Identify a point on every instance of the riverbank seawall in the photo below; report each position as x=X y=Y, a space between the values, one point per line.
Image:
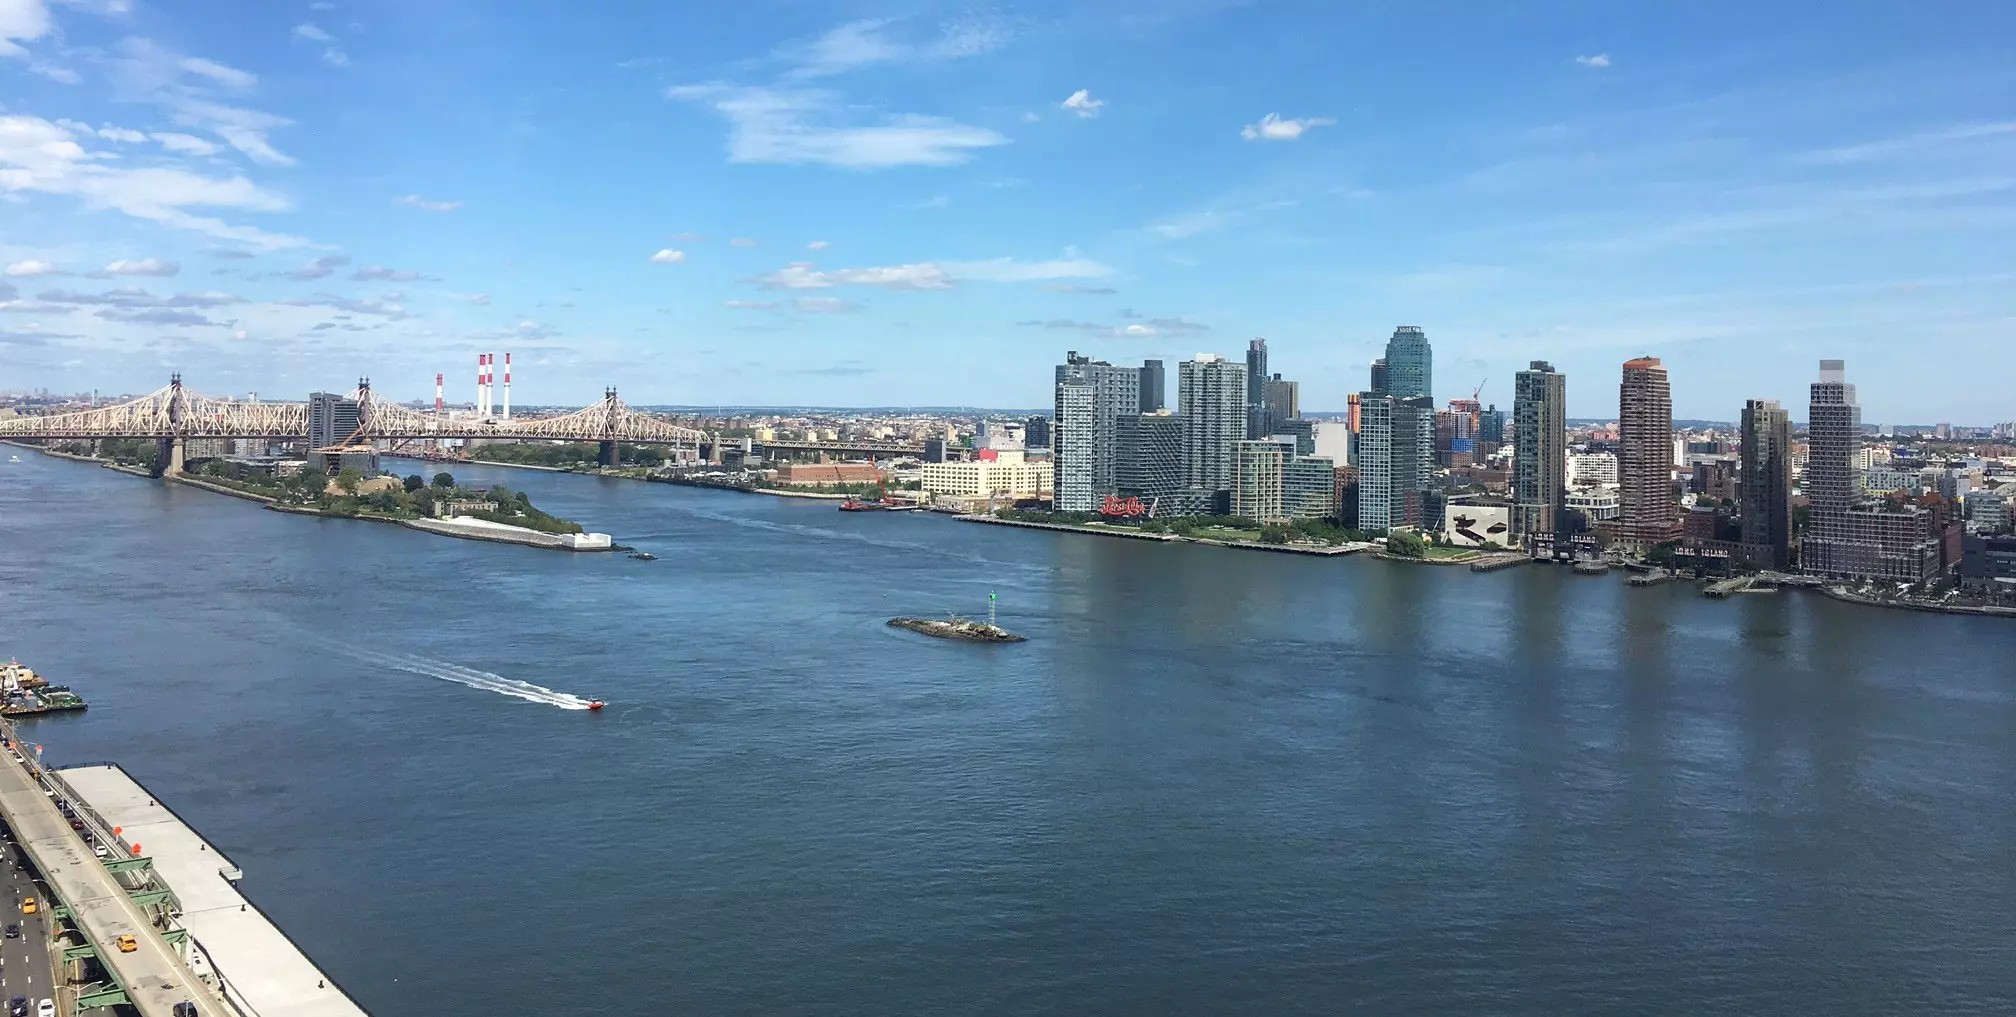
x=483 y=529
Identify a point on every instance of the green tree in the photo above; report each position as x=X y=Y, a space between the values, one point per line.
x=444 y=480
x=348 y=478
x=414 y=483
x=1406 y=544
x=1273 y=533
x=424 y=502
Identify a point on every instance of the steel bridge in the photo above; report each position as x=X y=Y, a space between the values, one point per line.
x=172 y=415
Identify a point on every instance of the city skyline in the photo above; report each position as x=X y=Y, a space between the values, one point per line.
x=826 y=204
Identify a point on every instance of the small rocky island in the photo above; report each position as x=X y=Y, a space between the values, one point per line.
x=958 y=628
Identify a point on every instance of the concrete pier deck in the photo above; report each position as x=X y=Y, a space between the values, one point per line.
x=261 y=970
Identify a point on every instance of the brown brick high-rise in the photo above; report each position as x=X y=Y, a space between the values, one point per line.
x=1647 y=513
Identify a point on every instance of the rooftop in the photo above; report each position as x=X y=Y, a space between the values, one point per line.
x=261 y=968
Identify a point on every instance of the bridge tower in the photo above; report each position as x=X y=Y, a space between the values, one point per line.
x=607 y=453
x=170 y=450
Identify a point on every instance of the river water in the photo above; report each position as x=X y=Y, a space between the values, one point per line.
x=1213 y=781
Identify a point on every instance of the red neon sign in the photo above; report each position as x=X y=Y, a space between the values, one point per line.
x=1128 y=509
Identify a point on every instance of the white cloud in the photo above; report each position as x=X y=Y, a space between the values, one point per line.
x=1030 y=118
x=21 y=20
x=794 y=125
x=39 y=156
x=143 y=266
x=1599 y=60
x=389 y=309
x=1191 y=224
x=668 y=256
x=187 y=144
x=750 y=305
x=742 y=242
x=690 y=238
x=335 y=57
x=54 y=72
x=1873 y=150
x=1273 y=127
x=321 y=5
x=1010 y=270
x=311 y=32
x=1082 y=103
x=319 y=268
x=816 y=245
x=132 y=297
x=935 y=201
x=865 y=43
x=242 y=129
x=111 y=133
x=1158 y=326
x=844 y=48
x=30 y=268
x=229 y=77
x=824 y=305
x=480 y=299
x=803 y=275
x=417 y=201
x=189 y=87
x=379 y=273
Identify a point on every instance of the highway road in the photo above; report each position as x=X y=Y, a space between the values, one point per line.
x=25 y=967
x=154 y=977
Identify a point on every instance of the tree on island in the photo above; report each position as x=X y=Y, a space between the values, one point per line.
x=414 y=482
x=1406 y=544
x=348 y=478
x=444 y=480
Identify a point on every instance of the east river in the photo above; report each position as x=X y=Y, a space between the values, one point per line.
x=1212 y=782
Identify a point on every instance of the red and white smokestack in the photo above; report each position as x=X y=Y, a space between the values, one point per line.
x=479 y=384
x=438 y=392
x=487 y=394
x=507 y=386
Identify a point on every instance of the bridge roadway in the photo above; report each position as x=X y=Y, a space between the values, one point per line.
x=153 y=975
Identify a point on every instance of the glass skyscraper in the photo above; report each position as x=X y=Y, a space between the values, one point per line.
x=1256 y=389
x=1540 y=450
x=1766 y=484
x=1091 y=397
x=1212 y=391
x=1410 y=364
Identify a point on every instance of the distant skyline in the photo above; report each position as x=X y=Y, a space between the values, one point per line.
x=840 y=203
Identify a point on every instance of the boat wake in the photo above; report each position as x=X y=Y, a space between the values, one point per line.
x=476 y=679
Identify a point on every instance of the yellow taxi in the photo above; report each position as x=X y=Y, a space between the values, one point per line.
x=127 y=944
x=27 y=905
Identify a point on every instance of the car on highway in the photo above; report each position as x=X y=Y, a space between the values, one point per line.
x=99 y=850
x=46 y=1008
x=27 y=905
x=17 y=1007
x=14 y=930
x=127 y=944
x=185 y=1009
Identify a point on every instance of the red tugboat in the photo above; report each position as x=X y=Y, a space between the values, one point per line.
x=595 y=704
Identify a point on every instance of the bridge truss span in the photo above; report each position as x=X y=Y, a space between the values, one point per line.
x=173 y=414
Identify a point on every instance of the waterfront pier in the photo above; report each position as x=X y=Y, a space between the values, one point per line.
x=146 y=913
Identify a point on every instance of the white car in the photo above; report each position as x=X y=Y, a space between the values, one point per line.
x=99 y=850
x=46 y=1008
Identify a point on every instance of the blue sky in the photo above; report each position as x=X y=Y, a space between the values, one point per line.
x=793 y=201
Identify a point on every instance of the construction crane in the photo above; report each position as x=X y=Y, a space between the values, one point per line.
x=1479 y=390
